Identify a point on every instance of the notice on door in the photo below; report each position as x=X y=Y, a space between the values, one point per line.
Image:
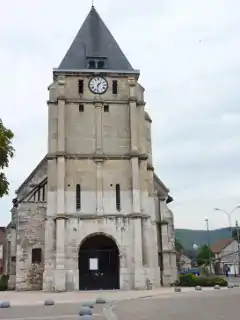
x=93 y=264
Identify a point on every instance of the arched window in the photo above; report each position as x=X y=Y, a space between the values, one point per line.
x=118 y=197
x=78 y=197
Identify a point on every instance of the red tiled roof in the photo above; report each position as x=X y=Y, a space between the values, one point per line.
x=218 y=246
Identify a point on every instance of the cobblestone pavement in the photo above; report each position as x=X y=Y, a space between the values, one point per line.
x=203 y=305
x=59 y=312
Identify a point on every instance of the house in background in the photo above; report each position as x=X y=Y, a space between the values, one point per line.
x=226 y=255
x=184 y=262
x=2 y=236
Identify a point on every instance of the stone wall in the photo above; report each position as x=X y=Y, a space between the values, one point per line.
x=128 y=234
x=30 y=235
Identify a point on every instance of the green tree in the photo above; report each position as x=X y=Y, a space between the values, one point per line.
x=204 y=255
x=6 y=152
x=178 y=245
x=179 y=249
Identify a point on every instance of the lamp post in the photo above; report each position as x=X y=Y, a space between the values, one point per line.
x=238 y=243
x=209 y=253
x=228 y=214
x=195 y=247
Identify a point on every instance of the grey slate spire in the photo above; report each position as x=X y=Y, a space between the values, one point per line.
x=94 y=41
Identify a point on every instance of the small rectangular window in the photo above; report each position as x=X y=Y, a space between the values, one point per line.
x=106 y=108
x=118 y=197
x=91 y=64
x=81 y=108
x=114 y=87
x=78 y=197
x=37 y=255
x=100 y=64
x=80 y=86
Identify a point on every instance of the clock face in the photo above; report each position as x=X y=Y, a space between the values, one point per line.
x=98 y=85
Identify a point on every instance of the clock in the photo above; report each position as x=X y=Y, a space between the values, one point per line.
x=98 y=85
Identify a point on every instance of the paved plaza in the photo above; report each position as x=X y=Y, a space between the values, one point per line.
x=202 y=305
x=163 y=304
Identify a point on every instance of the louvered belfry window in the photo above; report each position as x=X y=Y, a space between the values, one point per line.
x=118 y=197
x=80 y=86
x=114 y=87
x=78 y=197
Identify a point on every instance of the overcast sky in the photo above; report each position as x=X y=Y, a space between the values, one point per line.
x=188 y=52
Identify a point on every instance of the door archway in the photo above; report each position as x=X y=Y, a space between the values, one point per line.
x=98 y=263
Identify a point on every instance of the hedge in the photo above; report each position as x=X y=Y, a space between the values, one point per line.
x=4 y=282
x=190 y=280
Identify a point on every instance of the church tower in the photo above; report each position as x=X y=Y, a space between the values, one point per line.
x=100 y=230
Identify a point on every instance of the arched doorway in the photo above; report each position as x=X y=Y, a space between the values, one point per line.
x=98 y=263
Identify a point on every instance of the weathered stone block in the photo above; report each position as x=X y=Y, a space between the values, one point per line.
x=5 y=304
x=49 y=302
x=100 y=300
x=85 y=311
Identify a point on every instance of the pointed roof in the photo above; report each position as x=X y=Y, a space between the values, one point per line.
x=94 y=40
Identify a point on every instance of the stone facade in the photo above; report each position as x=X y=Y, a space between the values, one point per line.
x=96 y=142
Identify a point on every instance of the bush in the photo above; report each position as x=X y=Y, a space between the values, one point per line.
x=190 y=280
x=4 y=283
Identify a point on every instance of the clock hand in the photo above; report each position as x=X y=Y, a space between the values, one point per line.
x=98 y=86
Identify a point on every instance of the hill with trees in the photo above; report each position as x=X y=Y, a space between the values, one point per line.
x=189 y=237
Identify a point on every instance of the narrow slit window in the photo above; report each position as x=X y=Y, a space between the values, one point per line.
x=118 y=197
x=78 y=197
x=106 y=108
x=81 y=108
x=114 y=87
x=43 y=193
x=36 y=255
x=80 y=86
x=39 y=195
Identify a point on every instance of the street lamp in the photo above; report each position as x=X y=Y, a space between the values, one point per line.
x=209 y=252
x=228 y=214
x=195 y=246
x=238 y=242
